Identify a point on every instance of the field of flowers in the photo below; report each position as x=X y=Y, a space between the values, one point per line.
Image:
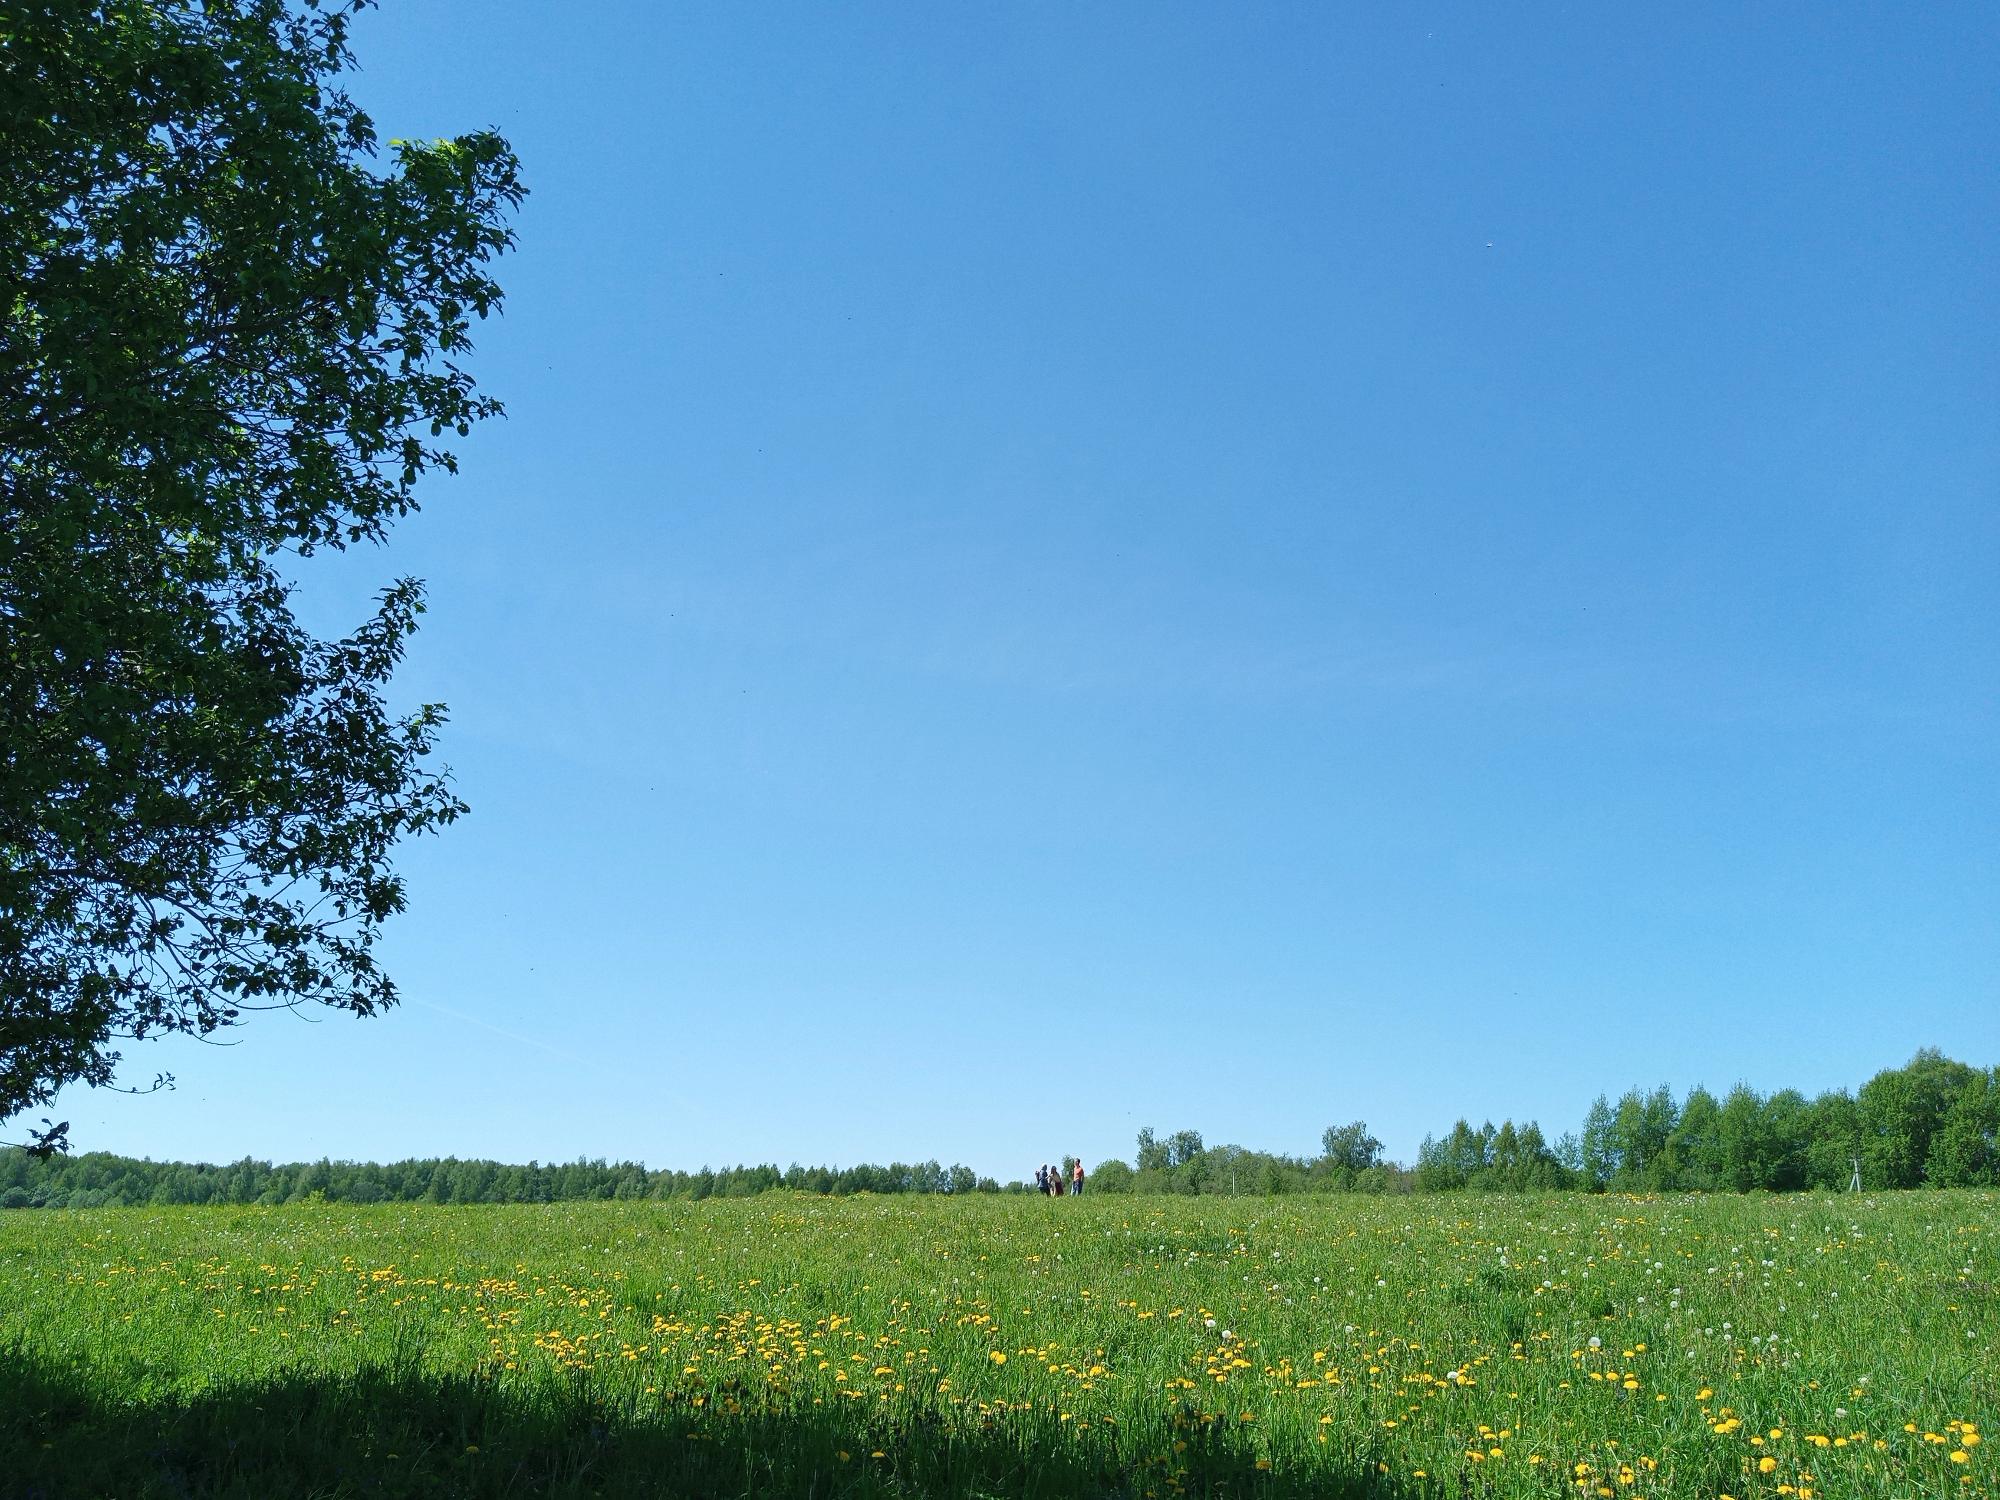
x=1573 y=1346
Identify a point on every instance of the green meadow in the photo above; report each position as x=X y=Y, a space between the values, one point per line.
x=1446 y=1345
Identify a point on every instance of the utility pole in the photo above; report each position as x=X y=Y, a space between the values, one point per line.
x=1854 y=1182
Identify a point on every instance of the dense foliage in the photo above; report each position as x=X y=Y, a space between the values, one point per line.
x=230 y=336
x=1932 y=1122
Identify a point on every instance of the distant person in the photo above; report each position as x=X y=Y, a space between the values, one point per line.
x=1042 y=1180
x=1055 y=1181
x=1076 y=1177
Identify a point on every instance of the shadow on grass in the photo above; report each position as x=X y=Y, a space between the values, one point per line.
x=378 y=1432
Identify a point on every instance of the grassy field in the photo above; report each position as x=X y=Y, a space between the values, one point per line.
x=1452 y=1345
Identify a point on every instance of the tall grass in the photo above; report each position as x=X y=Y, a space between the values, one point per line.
x=1789 y=1347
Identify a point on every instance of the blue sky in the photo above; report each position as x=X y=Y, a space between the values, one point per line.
x=1054 y=569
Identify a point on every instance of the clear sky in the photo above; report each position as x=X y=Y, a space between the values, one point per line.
x=1060 y=568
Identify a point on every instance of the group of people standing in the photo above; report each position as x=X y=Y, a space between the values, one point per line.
x=1049 y=1180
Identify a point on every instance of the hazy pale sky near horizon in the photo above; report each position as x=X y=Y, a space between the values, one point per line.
x=1054 y=569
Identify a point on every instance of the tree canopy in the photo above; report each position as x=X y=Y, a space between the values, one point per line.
x=232 y=337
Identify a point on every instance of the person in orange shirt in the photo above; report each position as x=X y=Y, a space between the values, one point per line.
x=1076 y=1177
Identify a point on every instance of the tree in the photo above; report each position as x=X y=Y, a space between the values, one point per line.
x=1350 y=1146
x=231 y=338
x=1112 y=1176
x=1540 y=1169
x=1504 y=1165
x=1695 y=1141
x=1965 y=1151
x=1788 y=1122
x=1835 y=1140
x=1596 y=1156
x=1639 y=1135
x=928 y=1177
x=1437 y=1170
x=1901 y=1108
x=1742 y=1152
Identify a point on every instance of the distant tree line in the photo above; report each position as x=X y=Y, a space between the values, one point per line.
x=1350 y=1160
x=1932 y=1122
x=101 y=1180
